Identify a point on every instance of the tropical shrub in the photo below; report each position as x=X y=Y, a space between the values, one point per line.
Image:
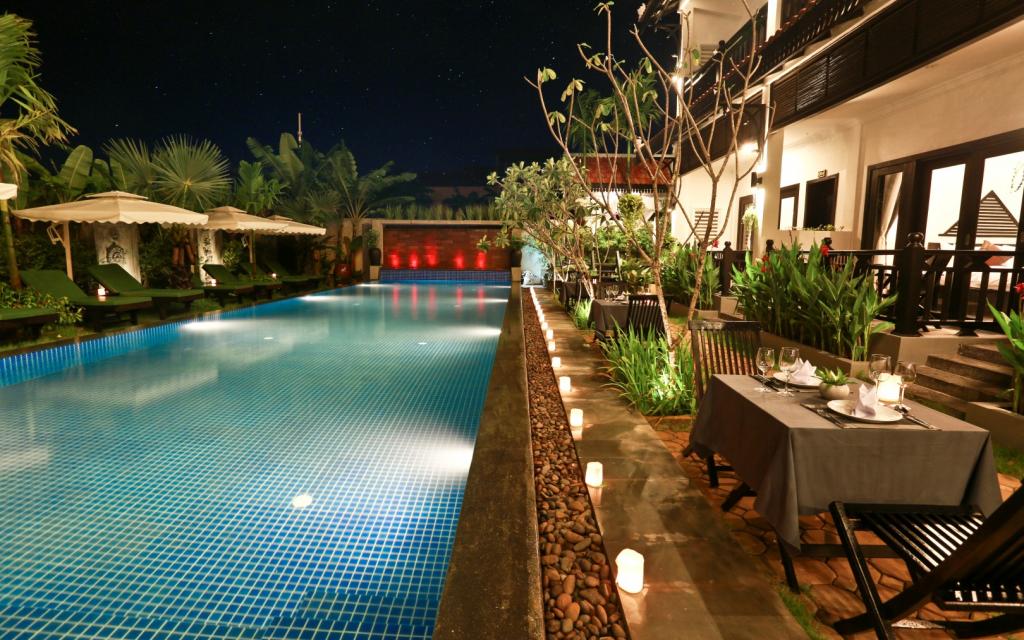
x=800 y=297
x=1013 y=326
x=581 y=314
x=635 y=275
x=27 y=297
x=679 y=277
x=640 y=368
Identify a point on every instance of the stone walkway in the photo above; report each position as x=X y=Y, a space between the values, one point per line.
x=830 y=589
x=698 y=583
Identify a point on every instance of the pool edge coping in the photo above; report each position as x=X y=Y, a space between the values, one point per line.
x=488 y=594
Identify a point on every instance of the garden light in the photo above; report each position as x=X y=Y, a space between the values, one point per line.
x=595 y=474
x=564 y=384
x=630 y=571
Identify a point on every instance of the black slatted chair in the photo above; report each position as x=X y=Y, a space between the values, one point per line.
x=957 y=558
x=643 y=316
x=728 y=348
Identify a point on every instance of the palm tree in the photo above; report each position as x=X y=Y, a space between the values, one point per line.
x=131 y=166
x=296 y=167
x=33 y=120
x=190 y=174
x=254 y=192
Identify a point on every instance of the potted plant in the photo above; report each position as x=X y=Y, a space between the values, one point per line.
x=835 y=385
x=372 y=239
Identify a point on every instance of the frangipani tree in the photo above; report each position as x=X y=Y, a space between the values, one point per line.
x=549 y=204
x=28 y=116
x=650 y=122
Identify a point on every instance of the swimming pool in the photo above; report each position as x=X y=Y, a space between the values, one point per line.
x=293 y=470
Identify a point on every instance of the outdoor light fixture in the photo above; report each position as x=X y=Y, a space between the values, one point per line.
x=576 y=418
x=551 y=345
x=564 y=384
x=302 y=501
x=556 y=363
x=630 y=571
x=274 y=276
x=549 y=334
x=213 y=282
x=544 y=325
x=595 y=474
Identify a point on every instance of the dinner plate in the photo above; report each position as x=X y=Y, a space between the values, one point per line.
x=883 y=414
x=778 y=375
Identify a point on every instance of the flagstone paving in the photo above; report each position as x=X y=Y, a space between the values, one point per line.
x=830 y=591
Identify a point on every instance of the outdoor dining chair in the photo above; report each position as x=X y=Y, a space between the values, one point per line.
x=643 y=318
x=958 y=559
x=721 y=347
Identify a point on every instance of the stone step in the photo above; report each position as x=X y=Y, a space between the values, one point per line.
x=938 y=400
x=956 y=385
x=984 y=351
x=986 y=372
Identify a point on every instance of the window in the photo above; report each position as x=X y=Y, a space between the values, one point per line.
x=789 y=205
x=820 y=202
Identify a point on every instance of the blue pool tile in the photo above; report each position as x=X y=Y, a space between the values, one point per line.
x=147 y=479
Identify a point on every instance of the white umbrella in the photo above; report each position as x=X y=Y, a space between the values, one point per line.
x=293 y=228
x=8 y=191
x=237 y=221
x=108 y=207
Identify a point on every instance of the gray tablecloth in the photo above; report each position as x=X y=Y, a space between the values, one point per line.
x=605 y=314
x=799 y=462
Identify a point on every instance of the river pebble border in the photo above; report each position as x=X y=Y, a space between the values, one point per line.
x=581 y=601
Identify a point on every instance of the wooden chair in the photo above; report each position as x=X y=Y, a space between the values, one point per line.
x=728 y=348
x=643 y=316
x=957 y=558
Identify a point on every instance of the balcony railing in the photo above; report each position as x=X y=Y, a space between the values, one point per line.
x=949 y=288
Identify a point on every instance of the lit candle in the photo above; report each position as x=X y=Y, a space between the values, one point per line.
x=101 y=292
x=551 y=345
x=556 y=363
x=889 y=388
x=576 y=418
x=629 y=571
x=564 y=384
x=549 y=333
x=213 y=282
x=544 y=325
x=595 y=474
x=274 y=276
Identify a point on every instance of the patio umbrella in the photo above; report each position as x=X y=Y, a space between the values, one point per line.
x=235 y=220
x=108 y=207
x=293 y=228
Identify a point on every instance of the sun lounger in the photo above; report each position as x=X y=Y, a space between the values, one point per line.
x=97 y=312
x=28 y=320
x=221 y=291
x=275 y=267
x=120 y=282
x=224 y=276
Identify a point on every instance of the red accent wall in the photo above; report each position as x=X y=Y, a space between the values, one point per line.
x=441 y=247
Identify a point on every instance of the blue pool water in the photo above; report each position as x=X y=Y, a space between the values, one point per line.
x=294 y=470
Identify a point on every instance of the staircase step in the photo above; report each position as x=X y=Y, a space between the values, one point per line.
x=987 y=372
x=938 y=400
x=956 y=385
x=985 y=351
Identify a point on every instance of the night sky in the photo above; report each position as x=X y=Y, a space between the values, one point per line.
x=436 y=86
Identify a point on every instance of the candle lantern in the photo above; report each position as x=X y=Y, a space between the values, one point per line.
x=629 y=567
x=889 y=388
x=550 y=334
x=551 y=345
x=556 y=363
x=564 y=384
x=595 y=474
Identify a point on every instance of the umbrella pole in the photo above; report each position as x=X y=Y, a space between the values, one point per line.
x=66 y=241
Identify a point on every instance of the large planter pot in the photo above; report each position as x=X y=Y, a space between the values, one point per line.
x=817 y=357
x=374 y=255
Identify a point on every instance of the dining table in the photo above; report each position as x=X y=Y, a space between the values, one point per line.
x=798 y=456
x=607 y=313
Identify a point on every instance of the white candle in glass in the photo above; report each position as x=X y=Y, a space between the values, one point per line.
x=551 y=345
x=564 y=384
x=629 y=571
x=556 y=363
x=576 y=418
x=595 y=474
x=889 y=388
x=549 y=333
x=101 y=291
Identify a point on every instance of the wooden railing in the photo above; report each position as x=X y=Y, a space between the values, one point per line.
x=935 y=288
x=809 y=22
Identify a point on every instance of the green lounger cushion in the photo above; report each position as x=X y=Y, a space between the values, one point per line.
x=115 y=278
x=58 y=284
x=222 y=274
x=27 y=315
x=226 y=288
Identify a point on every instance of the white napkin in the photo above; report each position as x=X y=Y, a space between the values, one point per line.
x=867 y=400
x=805 y=373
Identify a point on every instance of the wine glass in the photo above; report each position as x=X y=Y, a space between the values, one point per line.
x=907 y=371
x=878 y=365
x=765 y=361
x=789 y=358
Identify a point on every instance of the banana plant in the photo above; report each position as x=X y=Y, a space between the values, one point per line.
x=1013 y=326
